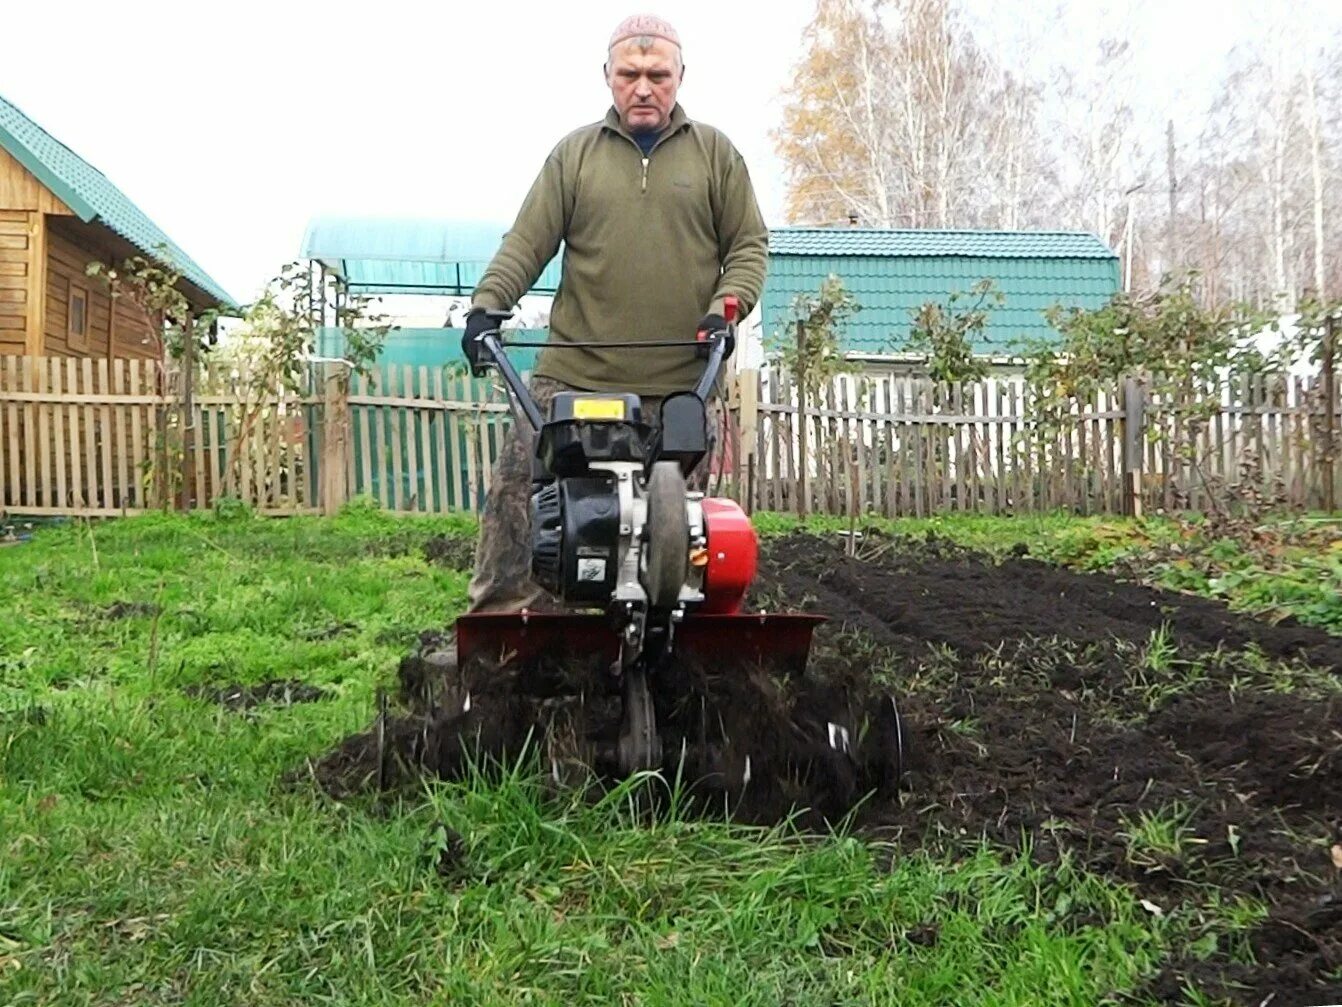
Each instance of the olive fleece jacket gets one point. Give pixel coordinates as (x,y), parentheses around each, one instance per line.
(651,245)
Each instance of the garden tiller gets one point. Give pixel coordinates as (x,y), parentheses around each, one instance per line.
(651,576)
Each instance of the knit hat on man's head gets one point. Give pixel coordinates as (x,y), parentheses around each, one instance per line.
(640,25)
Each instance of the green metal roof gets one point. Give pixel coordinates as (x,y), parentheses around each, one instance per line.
(86,191)
(977,244)
(892,273)
(412,256)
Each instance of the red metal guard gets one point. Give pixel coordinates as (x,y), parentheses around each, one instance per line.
(781,642)
(733,554)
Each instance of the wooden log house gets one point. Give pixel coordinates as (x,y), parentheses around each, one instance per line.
(57,214)
(83,415)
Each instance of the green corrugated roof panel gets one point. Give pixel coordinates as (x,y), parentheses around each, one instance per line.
(86,191)
(391,256)
(977,244)
(891,286)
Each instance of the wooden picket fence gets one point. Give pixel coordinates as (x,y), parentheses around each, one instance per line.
(77,436)
(112,437)
(422,439)
(898,445)
(117,437)
(102,438)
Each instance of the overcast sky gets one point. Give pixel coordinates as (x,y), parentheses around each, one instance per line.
(233,124)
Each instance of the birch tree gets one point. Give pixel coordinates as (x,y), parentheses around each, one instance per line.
(834,142)
(1313,117)
(896,117)
(899,115)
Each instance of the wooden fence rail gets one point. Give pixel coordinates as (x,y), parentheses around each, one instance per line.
(99,437)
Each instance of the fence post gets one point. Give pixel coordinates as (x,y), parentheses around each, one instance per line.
(335,438)
(803,465)
(1134,431)
(188,370)
(748,400)
(1328,366)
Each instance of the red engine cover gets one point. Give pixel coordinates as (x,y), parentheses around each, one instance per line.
(733,553)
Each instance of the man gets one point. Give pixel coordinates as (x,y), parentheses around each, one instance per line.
(659,224)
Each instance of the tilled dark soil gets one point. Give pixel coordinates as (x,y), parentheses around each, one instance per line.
(1041,708)
(930,591)
(1160,739)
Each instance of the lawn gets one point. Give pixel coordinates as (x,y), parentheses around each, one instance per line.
(166,680)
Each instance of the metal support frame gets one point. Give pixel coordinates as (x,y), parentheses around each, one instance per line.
(321,294)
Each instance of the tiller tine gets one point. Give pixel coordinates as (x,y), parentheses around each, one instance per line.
(660,712)
(735,715)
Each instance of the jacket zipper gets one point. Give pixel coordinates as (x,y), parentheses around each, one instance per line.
(644,187)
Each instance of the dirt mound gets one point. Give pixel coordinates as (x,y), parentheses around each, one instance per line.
(277,692)
(1158,738)
(1295,948)
(454,551)
(129,610)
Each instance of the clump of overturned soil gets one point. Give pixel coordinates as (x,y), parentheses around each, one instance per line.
(276,692)
(735,735)
(327,632)
(1159,738)
(129,610)
(453,551)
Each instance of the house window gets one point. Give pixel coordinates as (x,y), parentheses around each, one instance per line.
(77,324)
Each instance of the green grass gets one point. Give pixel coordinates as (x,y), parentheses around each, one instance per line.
(1153,836)
(151,854)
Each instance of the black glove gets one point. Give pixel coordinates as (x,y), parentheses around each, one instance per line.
(477,321)
(712,323)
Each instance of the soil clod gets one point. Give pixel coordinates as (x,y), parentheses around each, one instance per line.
(130,610)
(453,551)
(329,632)
(245,697)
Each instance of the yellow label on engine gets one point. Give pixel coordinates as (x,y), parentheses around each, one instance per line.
(598,409)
